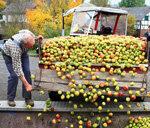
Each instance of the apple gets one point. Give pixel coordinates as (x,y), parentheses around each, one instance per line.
(95,125)
(54,121)
(28,118)
(117,88)
(125,87)
(88,124)
(59,92)
(105,125)
(108,99)
(79,117)
(62,97)
(121,107)
(32,76)
(100,108)
(109,122)
(80,122)
(58,116)
(75,106)
(115,100)
(103,103)
(133,97)
(128,99)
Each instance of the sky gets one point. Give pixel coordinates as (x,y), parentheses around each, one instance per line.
(114,2)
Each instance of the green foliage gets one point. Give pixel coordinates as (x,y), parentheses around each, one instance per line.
(12,28)
(132,3)
(67,31)
(131,25)
(100,2)
(50,32)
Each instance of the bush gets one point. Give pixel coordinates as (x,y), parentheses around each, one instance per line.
(9,29)
(131,25)
(50,33)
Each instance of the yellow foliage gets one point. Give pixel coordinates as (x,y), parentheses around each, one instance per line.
(37,19)
(73,4)
(49,16)
(131,25)
(2,4)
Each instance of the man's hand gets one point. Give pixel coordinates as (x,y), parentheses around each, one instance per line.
(40,38)
(28,88)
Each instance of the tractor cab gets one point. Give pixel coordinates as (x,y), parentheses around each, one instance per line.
(89,19)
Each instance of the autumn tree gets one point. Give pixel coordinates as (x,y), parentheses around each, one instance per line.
(38,18)
(102,3)
(132,3)
(47,18)
(2,4)
(131,25)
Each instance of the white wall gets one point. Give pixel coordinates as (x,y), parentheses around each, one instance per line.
(14,18)
(145,24)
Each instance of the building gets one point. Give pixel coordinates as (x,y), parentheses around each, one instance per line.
(142,15)
(15,12)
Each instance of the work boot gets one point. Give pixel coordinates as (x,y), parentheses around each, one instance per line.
(29,102)
(11,103)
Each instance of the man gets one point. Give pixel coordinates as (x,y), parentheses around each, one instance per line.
(147,34)
(14,52)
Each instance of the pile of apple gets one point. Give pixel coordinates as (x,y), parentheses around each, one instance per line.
(113,50)
(139,122)
(74,56)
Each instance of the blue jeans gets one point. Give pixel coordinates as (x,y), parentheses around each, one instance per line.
(13,78)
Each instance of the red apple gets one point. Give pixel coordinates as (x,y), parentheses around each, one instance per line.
(125,87)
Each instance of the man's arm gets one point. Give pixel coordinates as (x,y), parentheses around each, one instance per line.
(17,66)
(25,83)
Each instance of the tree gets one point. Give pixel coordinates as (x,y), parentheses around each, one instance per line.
(2,4)
(102,3)
(131,25)
(132,3)
(38,19)
(46,19)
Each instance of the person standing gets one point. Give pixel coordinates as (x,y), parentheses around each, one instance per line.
(15,54)
(147,34)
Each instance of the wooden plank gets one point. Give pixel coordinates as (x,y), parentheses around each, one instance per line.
(110,64)
(133,66)
(65,88)
(126,78)
(61,106)
(38,73)
(49,75)
(87,107)
(137,86)
(53,87)
(120,84)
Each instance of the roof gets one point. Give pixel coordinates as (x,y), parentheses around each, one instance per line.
(90,7)
(18,8)
(138,12)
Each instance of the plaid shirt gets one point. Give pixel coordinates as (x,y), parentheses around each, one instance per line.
(14,50)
